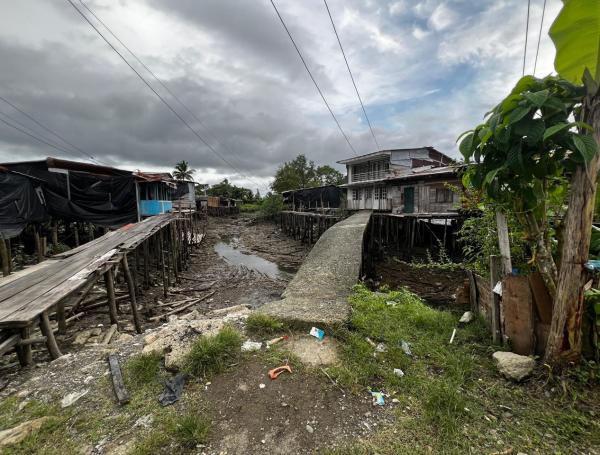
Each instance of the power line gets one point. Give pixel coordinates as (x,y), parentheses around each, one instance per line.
(32,135)
(312,78)
(45,128)
(537,51)
(526,34)
(153,90)
(351,76)
(157,79)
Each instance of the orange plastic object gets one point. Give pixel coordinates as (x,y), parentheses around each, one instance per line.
(275,372)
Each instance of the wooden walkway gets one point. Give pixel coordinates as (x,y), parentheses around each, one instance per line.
(65,280)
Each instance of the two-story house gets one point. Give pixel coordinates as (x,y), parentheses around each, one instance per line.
(414,180)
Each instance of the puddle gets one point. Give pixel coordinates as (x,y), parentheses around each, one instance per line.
(229,249)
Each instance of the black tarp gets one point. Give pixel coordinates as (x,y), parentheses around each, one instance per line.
(20,203)
(322,196)
(101,199)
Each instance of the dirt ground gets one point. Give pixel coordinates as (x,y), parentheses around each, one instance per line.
(437,286)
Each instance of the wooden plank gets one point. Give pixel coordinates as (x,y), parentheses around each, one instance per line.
(541,298)
(117,380)
(517,306)
(9,343)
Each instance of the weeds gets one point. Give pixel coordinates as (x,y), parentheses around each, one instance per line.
(210,355)
(174,434)
(260,324)
(451,399)
(143,368)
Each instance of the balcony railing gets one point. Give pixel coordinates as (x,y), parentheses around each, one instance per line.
(371,175)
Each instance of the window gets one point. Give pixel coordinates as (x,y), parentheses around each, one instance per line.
(380,192)
(368,194)
(356,194)
(443,195)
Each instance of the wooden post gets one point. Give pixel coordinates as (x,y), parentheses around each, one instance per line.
(495,276)
(9,252)
(164,260)
(76,233)
(38,244)
(117,379)
(504,243)
(55,232)
(109,281)
(61,318)
(146,264)
(24,352)
(4,258)
(91,231)
(131,287)
(46,329)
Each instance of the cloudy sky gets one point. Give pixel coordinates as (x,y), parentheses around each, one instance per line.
(427,70)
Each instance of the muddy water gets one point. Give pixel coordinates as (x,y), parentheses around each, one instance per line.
(230,249)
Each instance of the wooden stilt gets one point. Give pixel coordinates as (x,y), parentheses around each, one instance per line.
(4,258)
(146,264)
(165,276)
(131,286)
(46,329)
(61,318)
(54,232)
(109,281)
(76,233)
(9,253)
(38,244)
(24,350)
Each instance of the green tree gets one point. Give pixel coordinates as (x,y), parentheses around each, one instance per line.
(183,171)
(226,189)
(301,173)
(271,204)
(531,158)
(298,173)
(257,196)
(326,175)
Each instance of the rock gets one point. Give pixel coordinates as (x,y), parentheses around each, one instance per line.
(17,434)
(232,309)
(513,366)
(144,421)
(82,337)
(72,397)
(174,359)
(251,346)
(398,372)
(466,317)
(310,429)
(311,353)
(124,338)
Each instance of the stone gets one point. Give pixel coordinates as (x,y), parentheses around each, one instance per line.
(312,352)
(82,337)
(71,398)
(232,309)
(310,429)
(124,338)
(466,317)
(17,434)
(249,346)
(513,366)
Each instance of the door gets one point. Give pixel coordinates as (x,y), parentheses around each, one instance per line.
(409,199)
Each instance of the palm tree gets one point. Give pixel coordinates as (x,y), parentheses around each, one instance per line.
(183,171)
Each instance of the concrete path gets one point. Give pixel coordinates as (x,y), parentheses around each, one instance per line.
(318,293)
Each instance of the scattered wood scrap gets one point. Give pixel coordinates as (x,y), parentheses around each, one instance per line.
(117,378)
(182,307)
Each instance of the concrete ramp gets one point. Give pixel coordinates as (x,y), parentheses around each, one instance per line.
(318,294)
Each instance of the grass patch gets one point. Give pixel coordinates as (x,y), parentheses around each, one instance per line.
(176,433)
(143,369)
(210,355)
(260,324)
(451,399)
